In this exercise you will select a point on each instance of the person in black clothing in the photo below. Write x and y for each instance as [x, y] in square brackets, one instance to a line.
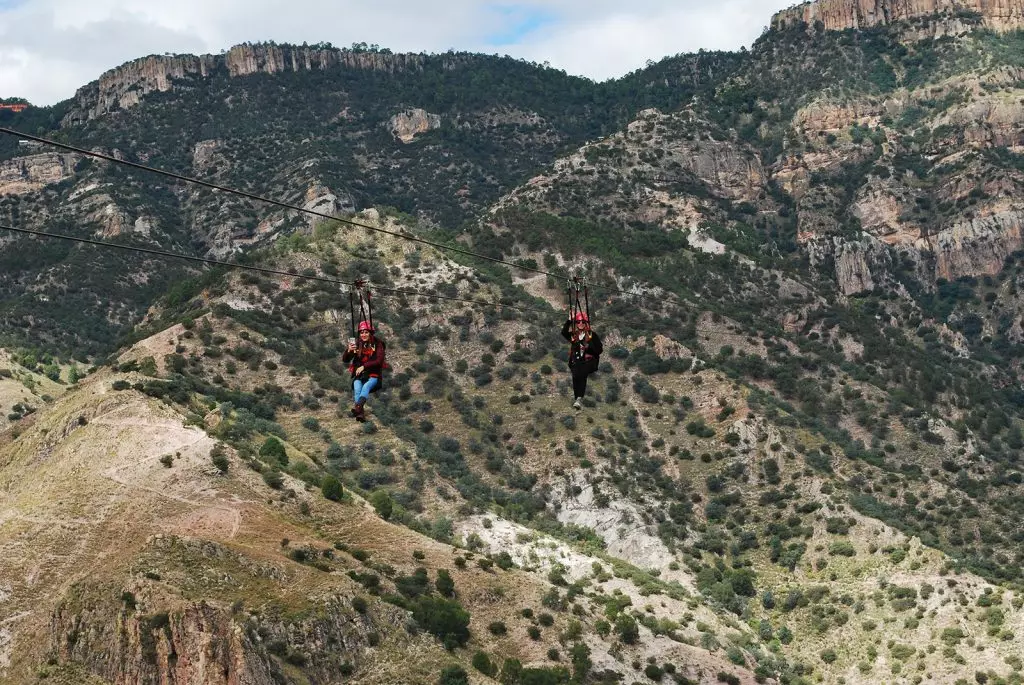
[584, 354]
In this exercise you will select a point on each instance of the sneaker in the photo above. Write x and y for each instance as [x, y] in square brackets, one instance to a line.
[578, 404]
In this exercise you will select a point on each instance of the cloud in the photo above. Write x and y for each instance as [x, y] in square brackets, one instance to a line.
[49, 48]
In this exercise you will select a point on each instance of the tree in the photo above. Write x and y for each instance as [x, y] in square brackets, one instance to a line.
[331, 488]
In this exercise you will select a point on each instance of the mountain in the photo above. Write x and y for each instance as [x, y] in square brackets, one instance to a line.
[798, 463]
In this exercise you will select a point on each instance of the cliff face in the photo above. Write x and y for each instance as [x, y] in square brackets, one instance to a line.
[836, 15]
[24, 175]
[654, 187]
[125, 86]
[200, 641]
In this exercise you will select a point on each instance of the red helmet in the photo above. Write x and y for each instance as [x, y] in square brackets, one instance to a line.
[365, 326]
[581, 318]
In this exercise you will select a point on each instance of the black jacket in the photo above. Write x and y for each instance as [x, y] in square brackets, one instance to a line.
[590, 348]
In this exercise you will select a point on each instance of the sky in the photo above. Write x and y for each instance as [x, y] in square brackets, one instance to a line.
[50, 48]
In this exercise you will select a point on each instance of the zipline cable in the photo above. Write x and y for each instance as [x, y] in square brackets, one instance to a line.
[285, 205]
[265, 270]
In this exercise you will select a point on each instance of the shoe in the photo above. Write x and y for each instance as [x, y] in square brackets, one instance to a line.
[358, 411]
[578, 404]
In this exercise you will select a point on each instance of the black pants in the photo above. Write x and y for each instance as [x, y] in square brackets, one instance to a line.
[580, 371]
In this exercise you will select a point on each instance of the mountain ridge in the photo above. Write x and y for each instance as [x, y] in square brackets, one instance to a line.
[839, 15]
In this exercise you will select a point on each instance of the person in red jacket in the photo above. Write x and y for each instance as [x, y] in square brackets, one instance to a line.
[365, 359]
[585, 350]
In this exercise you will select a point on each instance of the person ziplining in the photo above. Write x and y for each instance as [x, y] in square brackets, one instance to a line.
[365, 354]
[585, 346]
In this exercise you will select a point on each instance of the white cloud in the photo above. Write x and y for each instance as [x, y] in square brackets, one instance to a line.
[48, 48]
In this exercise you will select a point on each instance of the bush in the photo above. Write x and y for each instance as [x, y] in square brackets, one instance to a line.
[626, 628]
[331, 488]
[497, 628]
[382, 502]
[453, 675]
[273, 478]
[359, 604]
[446, 619]
[311, 423]
[444, 583]
[511, 672]
[273, 448]
[483, 663]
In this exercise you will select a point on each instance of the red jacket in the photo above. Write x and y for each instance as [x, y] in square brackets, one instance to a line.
[370, 357]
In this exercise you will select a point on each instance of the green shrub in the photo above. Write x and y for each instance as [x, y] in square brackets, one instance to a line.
[273, 478]
[219, 457]
[273, 449]
[331, 488]
[444, 583]
[626, 629]
[446, 619]
[382, 502]
[483, 663]
[453, 675]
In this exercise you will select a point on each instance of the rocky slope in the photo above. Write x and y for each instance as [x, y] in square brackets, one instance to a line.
[838, 15]
[678, 529]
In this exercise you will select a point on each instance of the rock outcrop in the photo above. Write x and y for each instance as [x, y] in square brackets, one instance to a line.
[660, 170]
[126, 86]
[23, 175]
[837, 15]
[860, 265]
[405, 126]
[151, 637]
[976, 246]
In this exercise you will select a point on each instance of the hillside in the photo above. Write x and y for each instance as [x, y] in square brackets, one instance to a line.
[798, 463]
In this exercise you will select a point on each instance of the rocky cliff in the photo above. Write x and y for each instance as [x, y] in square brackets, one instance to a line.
[125, 86]
[837, 15]
[25, 175]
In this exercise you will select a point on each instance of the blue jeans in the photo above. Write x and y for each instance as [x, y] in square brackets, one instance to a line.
[361, 390]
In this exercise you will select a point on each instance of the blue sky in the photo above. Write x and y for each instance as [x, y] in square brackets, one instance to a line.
[518, 23]
[50, 48]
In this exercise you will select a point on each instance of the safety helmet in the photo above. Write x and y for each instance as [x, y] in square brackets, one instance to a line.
[365, 326]
[582, 318]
